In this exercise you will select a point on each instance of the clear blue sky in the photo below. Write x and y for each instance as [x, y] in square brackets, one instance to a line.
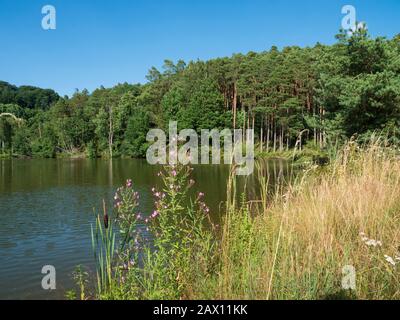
[103, 42]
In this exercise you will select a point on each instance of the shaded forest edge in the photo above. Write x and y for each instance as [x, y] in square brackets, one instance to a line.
[308, 99]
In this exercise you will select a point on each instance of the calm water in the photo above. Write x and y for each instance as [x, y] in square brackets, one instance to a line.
[46, 209]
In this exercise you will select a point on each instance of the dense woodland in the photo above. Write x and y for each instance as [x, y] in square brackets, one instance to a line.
[291, 97]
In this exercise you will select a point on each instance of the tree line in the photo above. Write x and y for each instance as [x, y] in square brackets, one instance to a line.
[291, 97]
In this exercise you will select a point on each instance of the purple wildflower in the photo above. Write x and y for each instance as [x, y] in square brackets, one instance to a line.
[128, 183]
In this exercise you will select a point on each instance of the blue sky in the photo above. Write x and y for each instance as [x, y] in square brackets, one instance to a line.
[104, 42]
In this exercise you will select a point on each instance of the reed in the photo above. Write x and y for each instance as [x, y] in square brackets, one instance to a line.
[103, 245]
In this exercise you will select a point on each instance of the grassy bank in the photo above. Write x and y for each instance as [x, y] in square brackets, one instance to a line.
[299, 243]
[292, 244]
[309, 154]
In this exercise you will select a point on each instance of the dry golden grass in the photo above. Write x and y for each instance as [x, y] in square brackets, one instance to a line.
[296, 247]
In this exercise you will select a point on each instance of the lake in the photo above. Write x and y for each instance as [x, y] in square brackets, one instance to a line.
[47, 207]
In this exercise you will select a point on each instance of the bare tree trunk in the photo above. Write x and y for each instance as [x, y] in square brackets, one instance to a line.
[315, 129]
[234, 105]
[110, 132]
[299, 141]
[244, 126]
[274, 136]
[268, 133]
[261, 134]
[323, 127]
[320, 131]
[287, 142]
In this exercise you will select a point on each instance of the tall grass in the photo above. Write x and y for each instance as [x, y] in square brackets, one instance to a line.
[103, 245]
[298, 244]
[293, 244]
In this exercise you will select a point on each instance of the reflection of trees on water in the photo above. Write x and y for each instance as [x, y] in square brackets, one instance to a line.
[273, 173]
[106, 175]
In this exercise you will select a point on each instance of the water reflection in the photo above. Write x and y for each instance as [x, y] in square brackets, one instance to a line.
[46, 207]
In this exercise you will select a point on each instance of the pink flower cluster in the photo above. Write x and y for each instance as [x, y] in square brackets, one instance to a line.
[129, 183]
[120, 197]
[203, 207]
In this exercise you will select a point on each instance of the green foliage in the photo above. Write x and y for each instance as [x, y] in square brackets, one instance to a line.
[70, 295]
[135, 144]
[324, 94]
[21, 141]
[181, 241]
[163, 267]
[43, 148]
[103, 245]
[80, 277]
[27, 96]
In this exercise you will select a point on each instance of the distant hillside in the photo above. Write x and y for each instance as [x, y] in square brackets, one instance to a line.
[27, 96]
